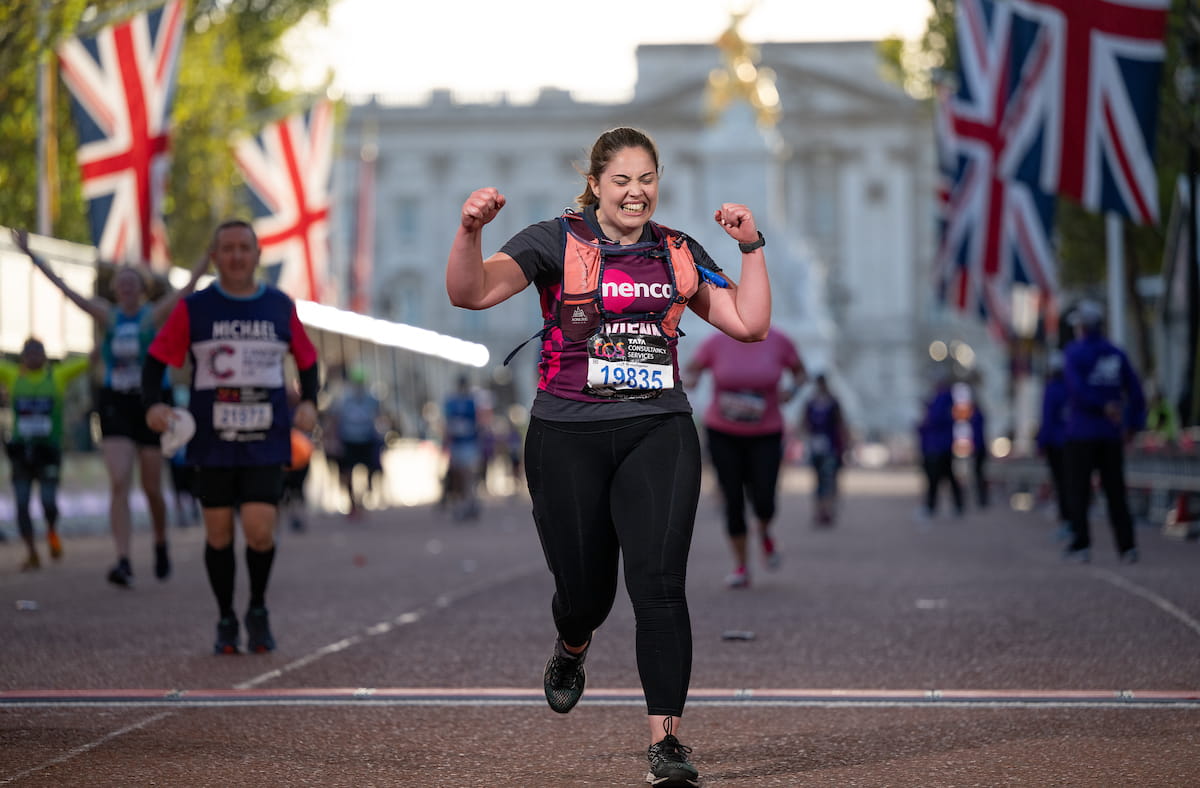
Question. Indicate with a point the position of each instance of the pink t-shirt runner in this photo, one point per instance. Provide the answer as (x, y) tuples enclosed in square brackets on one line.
[(746, 378)]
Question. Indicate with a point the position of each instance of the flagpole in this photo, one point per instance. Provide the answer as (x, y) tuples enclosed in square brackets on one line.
[(1185, 84), (1189, 410), (1114, 232), (97, 22), (364, 232), (44, 226)]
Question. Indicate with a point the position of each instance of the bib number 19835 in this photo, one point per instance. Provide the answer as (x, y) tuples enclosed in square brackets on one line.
[(629, 362)]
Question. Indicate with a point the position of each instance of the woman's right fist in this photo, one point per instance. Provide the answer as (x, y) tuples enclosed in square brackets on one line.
[(481, 207)]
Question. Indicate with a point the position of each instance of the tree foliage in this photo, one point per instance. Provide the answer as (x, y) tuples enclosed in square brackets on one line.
[(228, 83)]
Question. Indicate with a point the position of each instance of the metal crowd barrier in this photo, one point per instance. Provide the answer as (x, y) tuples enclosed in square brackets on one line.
[(1163, 482)]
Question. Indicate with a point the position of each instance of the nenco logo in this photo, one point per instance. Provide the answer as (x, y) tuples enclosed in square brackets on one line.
[(619, 291)]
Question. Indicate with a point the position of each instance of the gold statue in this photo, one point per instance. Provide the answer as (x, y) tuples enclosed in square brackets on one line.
[(741, 78)]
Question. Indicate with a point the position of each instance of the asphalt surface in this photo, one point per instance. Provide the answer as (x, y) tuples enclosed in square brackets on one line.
[(886, 652)]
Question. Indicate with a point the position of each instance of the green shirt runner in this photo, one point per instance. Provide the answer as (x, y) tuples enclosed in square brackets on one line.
[(37, 398)]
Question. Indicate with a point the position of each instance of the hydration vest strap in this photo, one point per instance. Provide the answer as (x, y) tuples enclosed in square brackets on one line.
[(517, 349)]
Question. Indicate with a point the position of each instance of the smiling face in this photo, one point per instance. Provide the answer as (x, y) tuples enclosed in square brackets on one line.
[(128, 288), (627, 193), (235, 254)]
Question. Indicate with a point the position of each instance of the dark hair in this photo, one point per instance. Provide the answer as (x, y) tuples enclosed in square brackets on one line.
[(127, 268), (230, 223), (605, 147)]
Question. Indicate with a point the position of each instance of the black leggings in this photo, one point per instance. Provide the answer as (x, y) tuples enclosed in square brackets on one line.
[(626, 490), (940, 467), (1108, 458), (746, 463), (1057, 460), (31, 463)]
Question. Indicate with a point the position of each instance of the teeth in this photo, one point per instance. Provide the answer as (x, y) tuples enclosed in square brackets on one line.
[(633, 207)]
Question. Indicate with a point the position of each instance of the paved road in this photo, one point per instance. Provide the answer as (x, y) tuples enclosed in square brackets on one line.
[(887, 652)]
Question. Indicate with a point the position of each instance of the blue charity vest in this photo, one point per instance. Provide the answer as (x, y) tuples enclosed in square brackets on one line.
[(238, 396), (124, 349)]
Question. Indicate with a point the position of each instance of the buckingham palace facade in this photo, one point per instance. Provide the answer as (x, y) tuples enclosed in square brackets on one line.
[(841, 185)]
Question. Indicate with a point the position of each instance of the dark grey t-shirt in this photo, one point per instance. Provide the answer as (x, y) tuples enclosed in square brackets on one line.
[(538, 251)]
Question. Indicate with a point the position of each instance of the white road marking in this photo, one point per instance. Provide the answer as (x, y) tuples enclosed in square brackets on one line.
[(1158, 601), (383, 627), (69, 754), (411, 617)]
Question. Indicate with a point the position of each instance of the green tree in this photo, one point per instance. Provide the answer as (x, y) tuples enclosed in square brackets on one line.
[(228, 82)]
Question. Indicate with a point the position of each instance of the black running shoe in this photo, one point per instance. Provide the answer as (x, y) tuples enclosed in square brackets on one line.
[(227, 636), (162, 562), (122, 574), (669, 765), (258, 631), (564, 678)]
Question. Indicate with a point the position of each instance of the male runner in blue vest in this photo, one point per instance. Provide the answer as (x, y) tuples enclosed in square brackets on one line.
[(237, 332)]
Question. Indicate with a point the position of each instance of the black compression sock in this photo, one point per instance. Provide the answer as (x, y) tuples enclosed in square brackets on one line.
[(259, 564), (222, 567)]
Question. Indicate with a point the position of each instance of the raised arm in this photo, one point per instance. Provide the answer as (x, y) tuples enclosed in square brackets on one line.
[(741, 311), (69, 369), (471, 281), (163, 306), (98, 308)]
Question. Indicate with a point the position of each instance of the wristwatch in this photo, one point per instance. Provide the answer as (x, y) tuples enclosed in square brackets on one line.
[(752, 245)]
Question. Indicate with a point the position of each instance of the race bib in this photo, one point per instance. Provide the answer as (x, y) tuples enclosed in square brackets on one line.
[(629, 364), (126, 344), (242, 416), (34, 425), (819, 444), (461, 427), (124, 378), (33, 416), (741, 406)]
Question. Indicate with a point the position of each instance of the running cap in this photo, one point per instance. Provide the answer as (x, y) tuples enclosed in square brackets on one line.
[(1088, 313), (179, 431)]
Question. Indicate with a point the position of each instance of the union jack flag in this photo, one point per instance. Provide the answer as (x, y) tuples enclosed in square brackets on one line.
[(1101, 90), (288, 167), (996, 222), (122, 84)]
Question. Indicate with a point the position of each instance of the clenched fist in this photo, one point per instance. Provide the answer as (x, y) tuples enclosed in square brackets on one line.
[(481, 207)]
